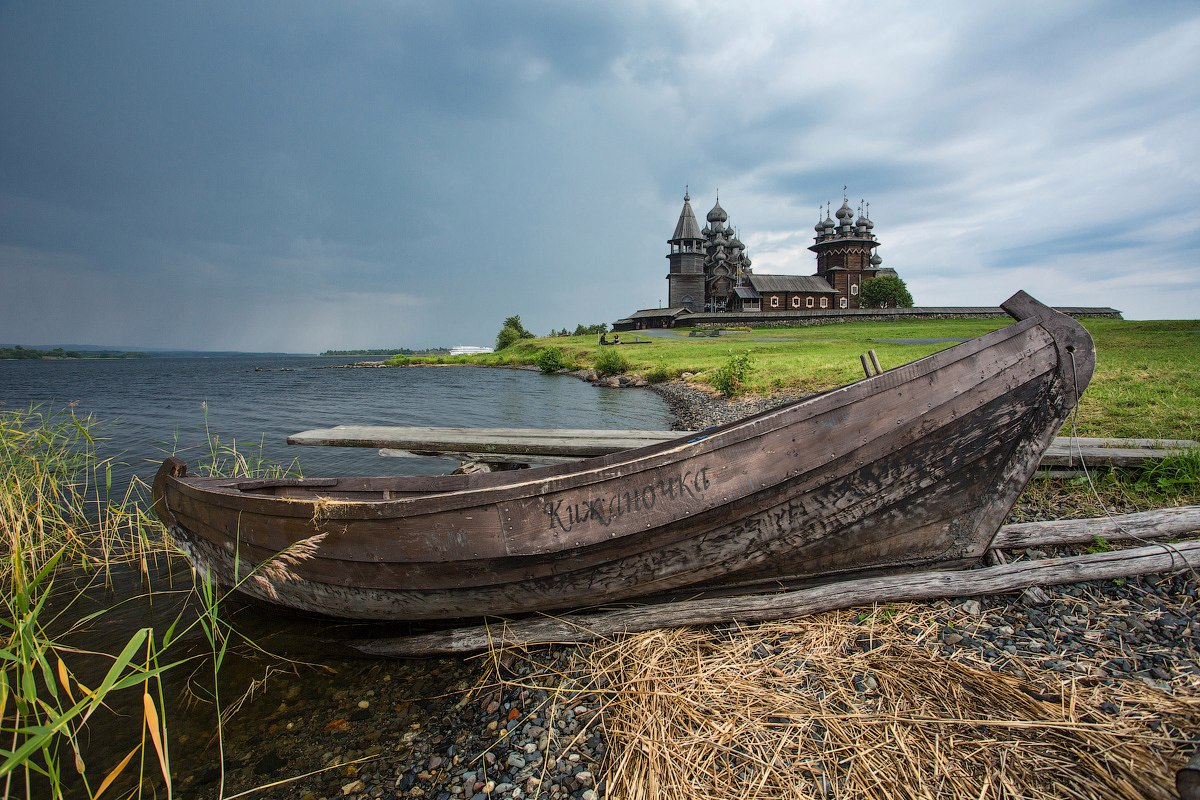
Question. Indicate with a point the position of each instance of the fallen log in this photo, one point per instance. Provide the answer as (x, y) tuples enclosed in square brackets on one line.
[(1123, 527), (761, 608)]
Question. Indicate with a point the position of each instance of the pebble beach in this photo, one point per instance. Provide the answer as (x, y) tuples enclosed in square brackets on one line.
[(525, 724)]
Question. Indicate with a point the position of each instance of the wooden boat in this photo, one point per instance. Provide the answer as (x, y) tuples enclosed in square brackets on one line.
[(917, 465)]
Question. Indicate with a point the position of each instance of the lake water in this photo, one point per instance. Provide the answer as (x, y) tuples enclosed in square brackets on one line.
[(152, 407), (149, 408)]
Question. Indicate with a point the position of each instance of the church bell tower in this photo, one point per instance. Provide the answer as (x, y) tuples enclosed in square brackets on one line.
[(685, 276)]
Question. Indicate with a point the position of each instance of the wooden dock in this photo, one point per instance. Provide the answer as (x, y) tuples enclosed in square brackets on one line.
[(552, 445)]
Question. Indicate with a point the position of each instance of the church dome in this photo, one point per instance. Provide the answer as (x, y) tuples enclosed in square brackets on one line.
[(736, 242), (828, 223), (876, 260), (717, 214), (845, 213)]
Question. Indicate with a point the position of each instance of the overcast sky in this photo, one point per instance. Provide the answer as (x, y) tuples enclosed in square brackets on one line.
[(305, 176)]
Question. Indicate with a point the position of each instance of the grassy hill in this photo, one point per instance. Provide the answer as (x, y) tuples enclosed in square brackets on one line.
[(1146, 385)]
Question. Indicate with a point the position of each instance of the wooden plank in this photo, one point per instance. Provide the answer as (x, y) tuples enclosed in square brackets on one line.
[(509, 445), (1067, 455), (762, 608), (509, 441), (1140, 525)]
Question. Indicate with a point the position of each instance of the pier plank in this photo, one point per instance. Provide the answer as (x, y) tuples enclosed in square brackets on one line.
[(509, 445)]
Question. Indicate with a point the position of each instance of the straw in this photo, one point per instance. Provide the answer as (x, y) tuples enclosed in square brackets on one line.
[(862, 704)]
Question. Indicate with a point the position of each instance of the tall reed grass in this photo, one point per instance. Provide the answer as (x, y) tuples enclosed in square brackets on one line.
[(58, 515), (63, 528)]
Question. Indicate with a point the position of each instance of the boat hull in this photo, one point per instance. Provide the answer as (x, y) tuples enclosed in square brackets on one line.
[(918, 465)]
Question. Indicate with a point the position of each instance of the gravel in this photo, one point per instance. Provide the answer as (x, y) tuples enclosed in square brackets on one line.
[(480, 728)]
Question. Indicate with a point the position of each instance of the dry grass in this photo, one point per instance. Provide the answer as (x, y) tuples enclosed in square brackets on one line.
[(851, 705)]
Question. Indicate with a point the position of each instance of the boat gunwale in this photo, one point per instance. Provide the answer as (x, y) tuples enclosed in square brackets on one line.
[(543, 480)]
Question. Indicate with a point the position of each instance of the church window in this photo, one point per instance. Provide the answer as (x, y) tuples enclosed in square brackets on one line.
[(824, 302), (843, 302), (809, 302), (854, 288), (796, 301), (774, 301)]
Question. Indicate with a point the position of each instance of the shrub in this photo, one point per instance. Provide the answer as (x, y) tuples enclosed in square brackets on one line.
[(550, 359), (610, 361), (658, 374), (730, 377)]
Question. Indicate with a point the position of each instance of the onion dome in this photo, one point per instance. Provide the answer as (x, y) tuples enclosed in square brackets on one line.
[(845, 213), (869, 224), (720, 255), (717, 214), (861, 222), (707, 230), (820, 226), (876, 260), (828, 223), (737, 243)]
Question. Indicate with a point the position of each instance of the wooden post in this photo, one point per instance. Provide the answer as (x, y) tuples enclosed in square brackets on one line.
[(875, 361), (865, 364)]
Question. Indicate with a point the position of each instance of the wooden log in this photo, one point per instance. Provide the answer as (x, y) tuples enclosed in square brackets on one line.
[(762, 608), (1122, 527)]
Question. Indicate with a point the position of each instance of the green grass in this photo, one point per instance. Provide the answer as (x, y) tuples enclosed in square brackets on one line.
[(1147, 381), (1146, 384)]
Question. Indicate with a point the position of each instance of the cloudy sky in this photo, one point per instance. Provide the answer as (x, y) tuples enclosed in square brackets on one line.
[(303, 176)]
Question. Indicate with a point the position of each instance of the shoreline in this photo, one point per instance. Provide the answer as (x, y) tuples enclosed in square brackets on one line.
[(505, 734)]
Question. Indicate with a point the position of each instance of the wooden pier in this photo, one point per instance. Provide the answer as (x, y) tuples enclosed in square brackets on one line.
[(554, 445)]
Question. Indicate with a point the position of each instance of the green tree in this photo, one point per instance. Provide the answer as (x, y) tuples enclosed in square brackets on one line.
[(511, 331), (884, 291)]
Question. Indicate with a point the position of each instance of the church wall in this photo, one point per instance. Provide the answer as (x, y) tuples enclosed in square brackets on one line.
[(682, 286)]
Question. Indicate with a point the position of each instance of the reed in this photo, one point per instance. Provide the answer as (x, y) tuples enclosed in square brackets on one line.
[(62, 528), (57, 517)]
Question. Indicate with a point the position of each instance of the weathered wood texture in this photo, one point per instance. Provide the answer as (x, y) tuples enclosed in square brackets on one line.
[(511, 444), (507, 441), (763, 608), (1122, 527)]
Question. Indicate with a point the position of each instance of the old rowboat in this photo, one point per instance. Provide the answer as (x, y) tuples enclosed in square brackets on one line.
[(917, 465)]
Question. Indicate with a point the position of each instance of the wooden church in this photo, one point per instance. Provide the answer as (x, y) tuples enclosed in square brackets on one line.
[(710, 271)]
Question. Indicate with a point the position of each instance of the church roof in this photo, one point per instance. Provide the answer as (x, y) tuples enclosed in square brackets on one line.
[(686, 228), (657, 312), (791, 283)]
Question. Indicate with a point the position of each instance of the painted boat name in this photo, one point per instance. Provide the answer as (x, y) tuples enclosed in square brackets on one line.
[(688, 485)]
